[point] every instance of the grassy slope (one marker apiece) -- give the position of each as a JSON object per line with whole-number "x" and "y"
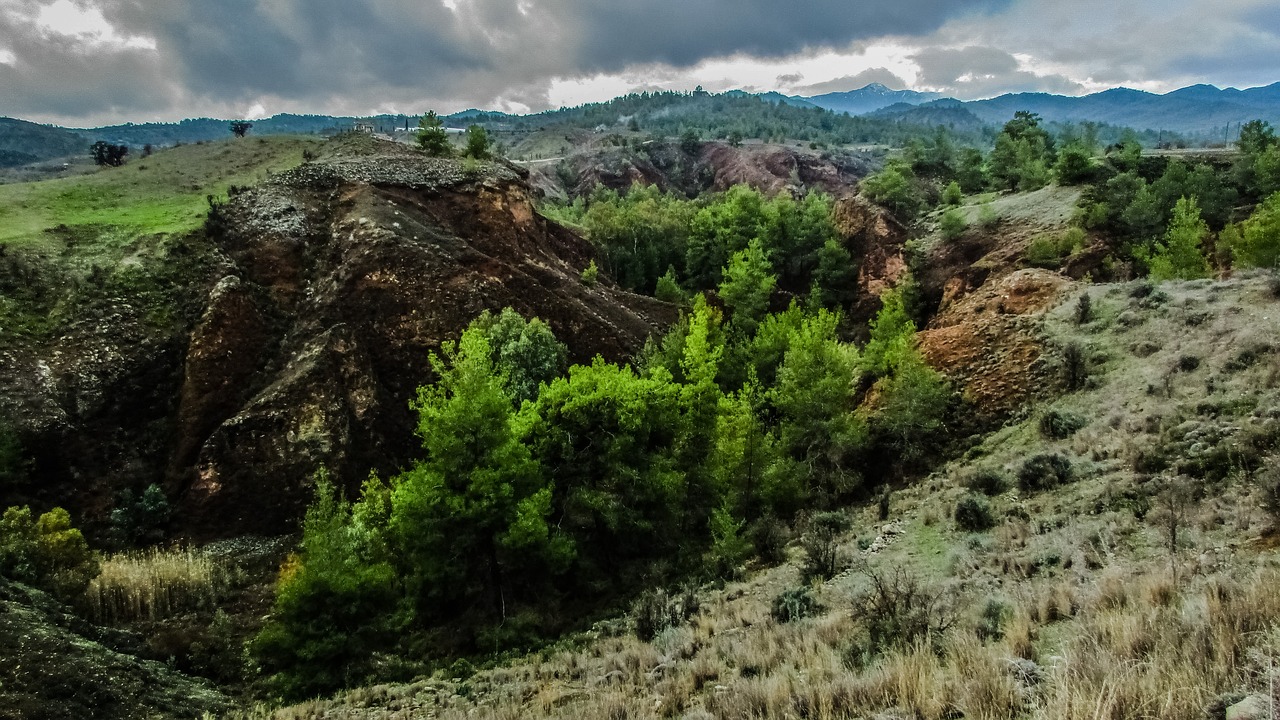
{"x": 110, "y": 237}
{"x": 1114, "y": 624}
{"x": 163, "y": 193}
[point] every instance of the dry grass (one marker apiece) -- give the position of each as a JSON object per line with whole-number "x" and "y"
{"x": 1103, "y": 620}
{"x": 152, "y": 584}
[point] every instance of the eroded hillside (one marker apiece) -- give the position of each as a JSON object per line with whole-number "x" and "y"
{"x": 230, "y": 363}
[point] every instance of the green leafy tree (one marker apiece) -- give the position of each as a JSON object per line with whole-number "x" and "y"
{"x": 745, "y": 453}
{"x": 1255, "y": 137}
{"x": 912, "y": 405}
{"x": 432, "y": 137}
{"x": 46, "y": 551}
{"x": 835, "y": 281}
{"x": 478, "y": 145}
{"x": 819, "y": 434}
{"x": 1180, "y": 256}
{"x": 1259, "y": 238}
{"x": 1266, "y": 171}
{"x": 105, "y": 153}
{"x": 971, "y": 171}
{"x": 892, "y": 333}
{"x": 700, "y": 405}
{"x": 894, "y": 188}
{"x": 639, "y": 233}
{"x": 794, "y": 234}
{"x": 724, "y": 227}
{"x": 470, "y": 520}
{"x": 1075, "y": 165}
{"x": 525, "y": 353}
{"x": 338, "y": 600}
{"x": 668, "y": 288}
{"x": 607, "y": 436}
{"x": 1023, "y": 154}
{"x": 748, "y": 284}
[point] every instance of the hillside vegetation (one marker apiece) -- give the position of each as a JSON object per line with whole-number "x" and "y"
{"x": 1109, "y": 556}
{"x": 991, "y": 433}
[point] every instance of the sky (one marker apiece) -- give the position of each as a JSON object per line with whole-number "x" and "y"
{"x": 92, "y": 62}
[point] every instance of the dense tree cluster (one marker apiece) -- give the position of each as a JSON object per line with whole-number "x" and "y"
{"x": 645, "y": 235}
{"x": 105, "y": 153}
{"x": 542, "y": 492}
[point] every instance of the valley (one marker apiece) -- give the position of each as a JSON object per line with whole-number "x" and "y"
{"x": 708, "y": 406}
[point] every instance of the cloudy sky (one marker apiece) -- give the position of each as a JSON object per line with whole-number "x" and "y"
{"x": 88, "y": 62}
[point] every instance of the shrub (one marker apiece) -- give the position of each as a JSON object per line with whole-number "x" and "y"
{"x": 988, "y": 481}
{"x": 47, "y": 552}
{"x": 1044, "y": 472}
{"x": 1043, "y": 253}
{"x": 952, "y": 194}
{"x": 1075, "y": 366}
{"x": 1269, "y": 484}
{"x": 987, "y": 216}
{"x": 140, "y": 518}
{"x": 668, "y": 289}
{"x": 819, "y": 544}
{"x": 973, "y": 513}
{"x": 899, "y": 610}
{"x": 591, "y": 274}
{"x": 1060, "y": 424}
{"x": 729, "y": 546}
{"x": 795, "y": 604}
{"x": 659, "y": 610}
{"x": 1084, "y": 309}
{"x": 952, "y": 225}
{"x": 769, "y": 536}
{"x": 991, "y": 620}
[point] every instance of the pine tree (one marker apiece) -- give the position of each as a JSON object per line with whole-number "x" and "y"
{"x": 1180, "y": 256}
{"x": 748, "y": 283}
{"x": 432, "y": 137}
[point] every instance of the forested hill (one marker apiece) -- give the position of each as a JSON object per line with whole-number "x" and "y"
{"x": 873, "y": 114}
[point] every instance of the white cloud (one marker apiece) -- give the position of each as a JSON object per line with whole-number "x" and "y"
{"x": 88, "y": 25}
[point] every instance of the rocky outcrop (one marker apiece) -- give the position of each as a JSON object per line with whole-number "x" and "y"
{"x": 713, "y": 167}
{"x": 990, "y": 342}
{"x": 302, "y": 332}
{"x": 349, "y": 271}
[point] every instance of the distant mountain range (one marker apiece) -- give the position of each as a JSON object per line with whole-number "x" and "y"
{"x": 868, "y": 99}
{"x": 1200, "y": 111}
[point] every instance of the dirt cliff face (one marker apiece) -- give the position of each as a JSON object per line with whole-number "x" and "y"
{"x": 310, "y": 331}
{"x": 991, "y": 341}
{"x": 713, "y": 167}
{"x": 349, "y": 272}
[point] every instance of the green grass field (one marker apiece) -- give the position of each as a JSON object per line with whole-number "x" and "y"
{"x": 161, "y": 194}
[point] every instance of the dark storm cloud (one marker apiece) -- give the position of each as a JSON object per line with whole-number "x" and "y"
{"x": 680, "y": 32}
{"x": 853, "y": 82}
{"x": 362, "y": 53}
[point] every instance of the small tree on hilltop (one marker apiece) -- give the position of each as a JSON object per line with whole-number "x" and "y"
{"x": 478, "y": 145}
{"x": 432, "y": 137}
{"x": 240, "y": 128}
